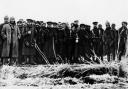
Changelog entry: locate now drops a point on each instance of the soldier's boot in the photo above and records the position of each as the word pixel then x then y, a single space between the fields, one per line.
pixel 25 61
pixel 11 62
pixel 15 61
pixel 114 55
pixel 119 57
pixel 31 60
pixel 108 57
pixel 1 61
pixel 5 61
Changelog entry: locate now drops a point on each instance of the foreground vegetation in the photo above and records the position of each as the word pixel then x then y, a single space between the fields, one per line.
pixel 64 76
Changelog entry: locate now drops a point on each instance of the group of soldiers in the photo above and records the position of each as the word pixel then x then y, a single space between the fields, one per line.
pixel 35 42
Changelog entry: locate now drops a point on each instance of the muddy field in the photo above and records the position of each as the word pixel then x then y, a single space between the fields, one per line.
pixel 64 76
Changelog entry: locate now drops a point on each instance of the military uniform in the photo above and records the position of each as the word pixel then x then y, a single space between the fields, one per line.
pixel 89 43
pixel 1 42
pixel 122 40
pixel 39 41
pixel 101 44
pixel 49 46
pixel 11 34
pixel 61 45
pixel 70 45
pixel 28 50
pixel 96 40
pixel 21 29
pixel 83 43
pixel 114 45
pixel 108 42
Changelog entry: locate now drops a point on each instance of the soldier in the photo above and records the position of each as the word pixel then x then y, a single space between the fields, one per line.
pixel 38 41
pixel 89 43
pixel 108 40
pixel 6 21
pixel 122 39
pixel 115 41
pixel 42 38
pixel 21 29
pixel 28 50
pixel 70 43
pixel 96 40
pixel 82 43
pixel 101 51
pixel 11 34
pixel 61 44
pixel 49 46
pixel 43 32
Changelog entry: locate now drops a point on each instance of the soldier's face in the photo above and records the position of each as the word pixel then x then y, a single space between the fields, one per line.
pixel 37 25
pixel 82 28
pixel 63 25
pixel 76 22
pixel 6 20
pixel 107 25
pixel 44 24
pixel 20 24
pixel 54 26
pixel 113 26
pixel 95 26
pixel 99 26
pixel 123 24
pixel 12 21
pixel 49 25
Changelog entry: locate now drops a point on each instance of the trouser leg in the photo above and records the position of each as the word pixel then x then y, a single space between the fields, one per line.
pixel 5 61
pixel 31 60
pixel 108 57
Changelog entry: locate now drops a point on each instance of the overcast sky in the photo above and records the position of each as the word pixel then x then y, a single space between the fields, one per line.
pixel 86 11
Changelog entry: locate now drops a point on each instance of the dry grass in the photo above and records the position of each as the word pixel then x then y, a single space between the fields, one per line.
pixel 65 76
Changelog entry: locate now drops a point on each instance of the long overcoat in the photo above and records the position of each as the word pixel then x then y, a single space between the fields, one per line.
pixel 10 35
pixel 29 37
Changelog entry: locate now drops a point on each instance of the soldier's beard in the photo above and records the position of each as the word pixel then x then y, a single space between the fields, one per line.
pixel 13 22
pixel 95 27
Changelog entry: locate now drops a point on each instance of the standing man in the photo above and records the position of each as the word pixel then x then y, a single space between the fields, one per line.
pixel 49 46
pixel 60 46
pixel 83 42
pixel 115 41
pixel 28 50
pixel 122 39
pixel 108 40
pixel 21 28
pixel 101 51
pixel 70 43
pixel 6 21
pixel 96 41
pixel 11 34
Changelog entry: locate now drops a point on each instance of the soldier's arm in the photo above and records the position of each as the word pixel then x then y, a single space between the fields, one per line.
pixel 104 37
pixel 56 33
pixel 25 32
pixel 35 35
pixel 3 32
pixel 18 33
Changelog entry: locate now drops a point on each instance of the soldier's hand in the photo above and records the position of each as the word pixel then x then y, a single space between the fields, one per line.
pixel 34 41
pixel 4 37
pixel 19 37
pixel 29 32
pixel 56 41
